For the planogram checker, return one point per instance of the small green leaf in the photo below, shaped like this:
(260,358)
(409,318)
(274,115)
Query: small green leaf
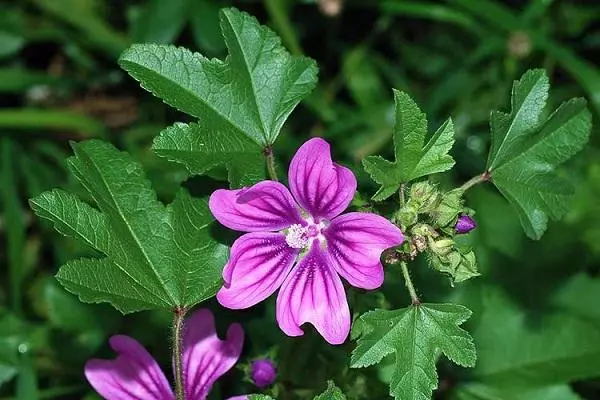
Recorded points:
(331,393)
(526,150)
(414,158)
(156,256)
(199,150)
(252,92)
(415,334)
(260,397)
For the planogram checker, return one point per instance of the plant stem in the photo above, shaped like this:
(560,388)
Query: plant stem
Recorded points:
(178,317)
(271,163)
(409,284)
(278,13)
(401,194)
(486,176)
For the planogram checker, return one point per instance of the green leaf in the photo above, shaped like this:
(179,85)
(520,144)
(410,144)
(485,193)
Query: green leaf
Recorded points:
(526,150)
(331,393)
(479,391)
(260,397)
(251,93)
(577,294)
(200,150)
(161,21)
(415,334)
(549,349)
(156,256)
(205,26)
(414,158)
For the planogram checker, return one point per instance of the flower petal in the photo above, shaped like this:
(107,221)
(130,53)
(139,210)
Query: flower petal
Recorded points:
(355,242)
(205,356)
(314,293)
(259,264)
(266,206)
(133,375)
(320,186)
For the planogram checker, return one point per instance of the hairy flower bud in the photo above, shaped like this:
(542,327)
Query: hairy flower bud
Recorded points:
(424,195)
(263,372)
(441,247)
(407,216)
(465,224)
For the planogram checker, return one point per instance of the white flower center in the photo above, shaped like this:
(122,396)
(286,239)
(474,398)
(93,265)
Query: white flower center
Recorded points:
(298,236)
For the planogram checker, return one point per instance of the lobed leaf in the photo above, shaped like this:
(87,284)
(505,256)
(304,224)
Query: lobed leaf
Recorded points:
(414,158)
(331,393)
(200,150)
(244,99)
(155,256)
(526,151)
(415,334)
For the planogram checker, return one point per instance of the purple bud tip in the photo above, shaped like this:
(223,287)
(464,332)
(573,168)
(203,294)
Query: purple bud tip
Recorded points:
(263,373)
(465,224)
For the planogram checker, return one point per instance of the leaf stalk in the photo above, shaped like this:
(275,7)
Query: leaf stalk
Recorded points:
(271,163)
(486,176)
(409,284)
(178,320)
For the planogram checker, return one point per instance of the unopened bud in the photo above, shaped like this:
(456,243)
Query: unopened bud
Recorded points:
(407,216)
(263,372)
(465,224)
(441,247)
(424,195)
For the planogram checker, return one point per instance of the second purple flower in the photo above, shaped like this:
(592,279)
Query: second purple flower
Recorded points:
(300,243)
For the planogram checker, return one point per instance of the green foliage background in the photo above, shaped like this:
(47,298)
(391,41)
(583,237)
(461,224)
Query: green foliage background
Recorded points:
(535,317)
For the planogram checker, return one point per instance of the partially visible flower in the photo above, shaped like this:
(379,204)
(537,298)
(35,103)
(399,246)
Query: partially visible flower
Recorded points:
(301,243)
(135,375)
(263,372)
(465,224)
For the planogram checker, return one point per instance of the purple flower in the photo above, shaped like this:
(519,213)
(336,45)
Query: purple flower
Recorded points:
(298,242)
(135,375)
(263,372)
(465,224)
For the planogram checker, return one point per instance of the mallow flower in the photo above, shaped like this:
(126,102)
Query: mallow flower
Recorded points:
(299,243)
(135,375)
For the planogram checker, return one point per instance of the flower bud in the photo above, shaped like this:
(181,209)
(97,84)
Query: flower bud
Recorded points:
(465,224)
(424,195)
(263,372)
(441,247)
(407,216)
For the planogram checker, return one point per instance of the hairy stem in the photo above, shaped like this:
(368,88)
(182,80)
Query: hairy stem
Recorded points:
(271,163)
(178,317)
(401,194)
(486,176)
(409,284)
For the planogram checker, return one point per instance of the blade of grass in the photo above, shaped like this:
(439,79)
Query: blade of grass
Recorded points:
(23,118)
